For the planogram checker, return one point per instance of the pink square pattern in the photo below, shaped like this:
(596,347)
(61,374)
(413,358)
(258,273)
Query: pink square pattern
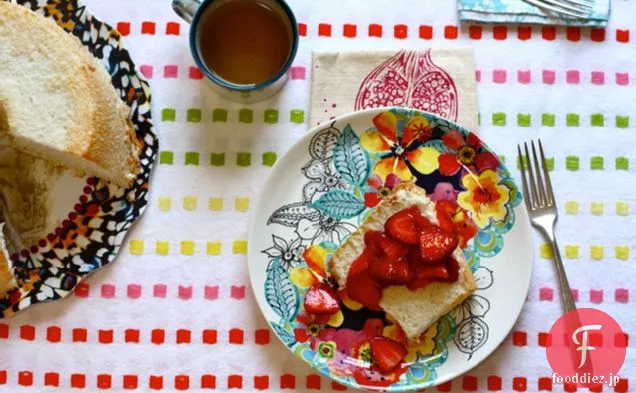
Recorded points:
(211,292)
(598,77)
(524,76)
(572,77)
(108,291)
(159,290)
(133,291)
(499,76)
(548,77)
(185,293)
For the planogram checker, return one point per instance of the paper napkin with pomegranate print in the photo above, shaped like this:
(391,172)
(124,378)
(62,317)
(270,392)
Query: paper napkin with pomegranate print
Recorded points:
(440,81)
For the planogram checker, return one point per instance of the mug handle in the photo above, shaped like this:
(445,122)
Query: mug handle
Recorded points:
(186,8)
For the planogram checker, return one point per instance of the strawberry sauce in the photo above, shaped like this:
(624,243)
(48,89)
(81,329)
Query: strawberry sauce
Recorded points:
(410,251)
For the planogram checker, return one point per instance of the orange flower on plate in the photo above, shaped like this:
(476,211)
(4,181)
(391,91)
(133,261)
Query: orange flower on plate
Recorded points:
(398,149)
(484,197)
(425,346)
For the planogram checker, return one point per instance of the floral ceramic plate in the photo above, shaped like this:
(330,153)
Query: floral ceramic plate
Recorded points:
(325,186)
(87,218)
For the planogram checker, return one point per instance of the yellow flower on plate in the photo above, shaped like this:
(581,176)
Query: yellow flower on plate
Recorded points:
(484,197)
(398,150)
(305,277)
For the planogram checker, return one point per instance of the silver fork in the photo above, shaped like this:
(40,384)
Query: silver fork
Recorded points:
(575,8)
(542,211)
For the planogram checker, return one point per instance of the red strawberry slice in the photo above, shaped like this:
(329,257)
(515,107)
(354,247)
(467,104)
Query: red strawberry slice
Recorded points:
(425,275)
(452,267)
(422,221)
(372,237)
(361,264)
(436,244)
(364,290)
(387,354)
(372,242)
(388,271)
(445,210)
(392,248)
(373,327)
(402,226)
(321,299)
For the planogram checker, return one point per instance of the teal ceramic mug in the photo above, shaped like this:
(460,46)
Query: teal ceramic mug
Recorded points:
(197,12)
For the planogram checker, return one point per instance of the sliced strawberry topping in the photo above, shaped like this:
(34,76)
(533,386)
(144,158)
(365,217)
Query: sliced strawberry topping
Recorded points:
(425,275)
(321,299)
(364,290)
(436,244)
(392,248)
(452,267)
(372,237)
(389,271)
(444,211)
(387,353)
(372,241)
(361,264)
(452,218)
(373,327)
(422,221)
(402,226)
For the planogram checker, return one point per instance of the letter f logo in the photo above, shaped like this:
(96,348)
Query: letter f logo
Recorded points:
(583,344)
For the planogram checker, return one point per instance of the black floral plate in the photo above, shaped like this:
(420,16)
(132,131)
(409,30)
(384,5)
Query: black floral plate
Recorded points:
(91,232)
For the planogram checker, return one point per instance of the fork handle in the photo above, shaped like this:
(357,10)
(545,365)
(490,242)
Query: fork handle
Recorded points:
(566,293)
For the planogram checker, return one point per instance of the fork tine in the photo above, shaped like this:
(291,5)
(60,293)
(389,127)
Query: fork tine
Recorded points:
(548,183)
(546,6)
(566,6)
(524,183)
(583,3)
(533,185)
(537,168)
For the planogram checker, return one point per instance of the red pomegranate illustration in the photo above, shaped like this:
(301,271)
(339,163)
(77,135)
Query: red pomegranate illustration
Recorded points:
(409,79)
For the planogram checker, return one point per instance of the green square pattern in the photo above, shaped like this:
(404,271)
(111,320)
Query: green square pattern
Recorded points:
(297,116)
(572,163)
(622,121)
(192,158)
(269,158)
(168,114)
(246,116)
(244,159)
(217,159)
(166,157)
(524,119)
(502,159)
(622,163)
(525,162)
(549,162)
(572,120)
(271,116)
(548,120)
(193,115)
(596,163)
(597,120)
(219,115)
(499,119)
